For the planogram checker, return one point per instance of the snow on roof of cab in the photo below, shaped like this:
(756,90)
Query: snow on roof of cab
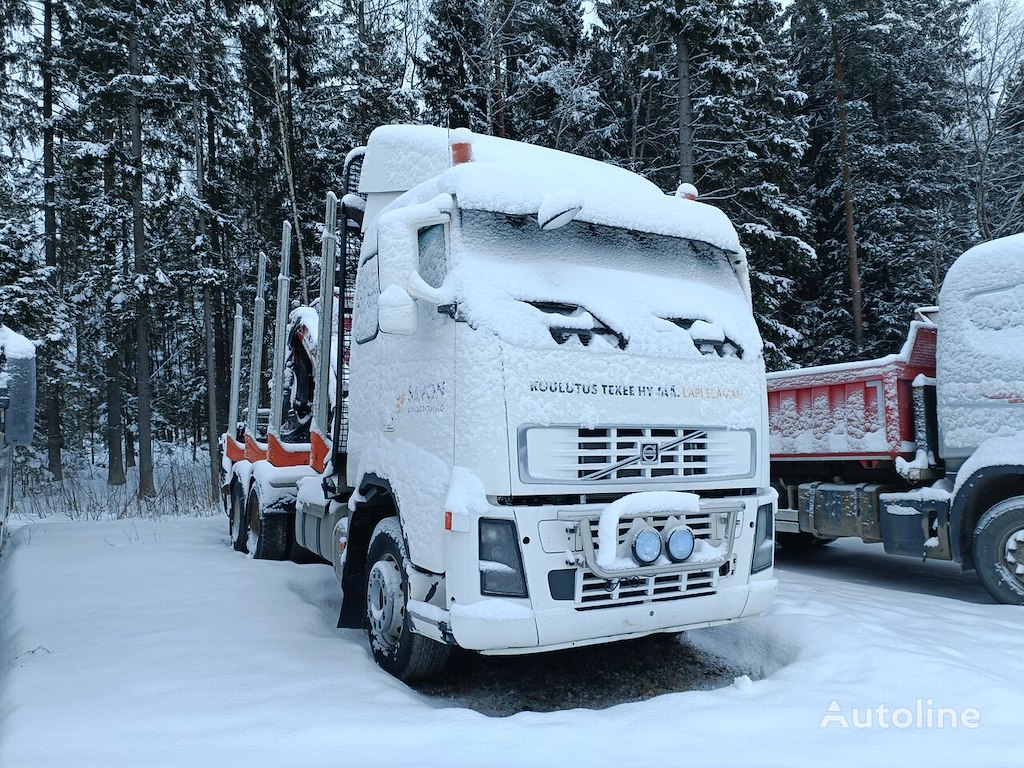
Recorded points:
(512,177)
(994,264)
(15,345)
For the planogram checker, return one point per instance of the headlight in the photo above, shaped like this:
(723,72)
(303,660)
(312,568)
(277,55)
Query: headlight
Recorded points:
(680,544)
(764,543)
(501,565)
(647,546)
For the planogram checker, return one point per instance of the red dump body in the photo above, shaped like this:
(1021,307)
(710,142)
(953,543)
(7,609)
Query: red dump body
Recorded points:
(860,411)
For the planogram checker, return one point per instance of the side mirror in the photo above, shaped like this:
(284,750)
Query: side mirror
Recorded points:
(18,383)
(396,312)
(420,289)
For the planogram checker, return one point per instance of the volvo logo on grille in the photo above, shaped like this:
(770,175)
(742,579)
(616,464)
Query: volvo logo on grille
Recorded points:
(649,453)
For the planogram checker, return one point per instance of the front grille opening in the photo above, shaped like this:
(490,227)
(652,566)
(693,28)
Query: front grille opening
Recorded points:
(680,453)
(595,593)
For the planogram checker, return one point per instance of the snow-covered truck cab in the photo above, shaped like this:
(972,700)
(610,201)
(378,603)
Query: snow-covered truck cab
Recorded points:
(980,411)
(558,427)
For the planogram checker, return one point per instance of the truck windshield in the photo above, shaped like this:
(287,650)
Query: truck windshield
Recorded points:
(601,288)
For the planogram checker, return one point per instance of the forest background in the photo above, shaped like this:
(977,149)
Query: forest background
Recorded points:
(150,150)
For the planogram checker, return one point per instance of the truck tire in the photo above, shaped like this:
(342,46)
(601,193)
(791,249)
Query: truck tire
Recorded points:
(238,529)
(267,535)
(998,549)
(395,647)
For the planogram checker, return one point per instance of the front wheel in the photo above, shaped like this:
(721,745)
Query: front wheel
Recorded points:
(395,647)
(998,549)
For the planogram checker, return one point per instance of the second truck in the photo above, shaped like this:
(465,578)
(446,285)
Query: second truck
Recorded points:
(922,450)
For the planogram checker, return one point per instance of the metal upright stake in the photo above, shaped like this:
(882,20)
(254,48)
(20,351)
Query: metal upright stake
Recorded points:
(329,249)
(256,362)
(236,373)
(281,330)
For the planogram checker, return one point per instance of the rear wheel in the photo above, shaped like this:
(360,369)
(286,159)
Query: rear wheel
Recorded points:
(395,647)
(267,536)
(998,550)
(238,524)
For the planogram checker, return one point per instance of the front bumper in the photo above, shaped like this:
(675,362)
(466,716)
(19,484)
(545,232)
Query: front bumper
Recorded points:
(569,604)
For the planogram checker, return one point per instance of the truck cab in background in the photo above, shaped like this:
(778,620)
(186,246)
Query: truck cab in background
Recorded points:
(17,411)
(923,450)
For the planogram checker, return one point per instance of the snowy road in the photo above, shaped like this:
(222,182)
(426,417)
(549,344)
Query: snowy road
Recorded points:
(151,643)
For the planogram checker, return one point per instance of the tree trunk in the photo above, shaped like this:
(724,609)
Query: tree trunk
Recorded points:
(286,150)
(142,370)
(211,383)
(851,236)
(216,249)
(115,429)
(685,112)
(115,457)
(53,431)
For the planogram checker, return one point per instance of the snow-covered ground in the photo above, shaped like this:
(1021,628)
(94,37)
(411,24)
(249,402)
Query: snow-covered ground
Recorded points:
(149,642)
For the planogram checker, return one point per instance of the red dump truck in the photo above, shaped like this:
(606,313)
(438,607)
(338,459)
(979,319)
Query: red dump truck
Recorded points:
(922,450)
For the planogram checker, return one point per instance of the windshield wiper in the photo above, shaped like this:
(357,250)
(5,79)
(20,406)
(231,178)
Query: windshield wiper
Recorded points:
(708,338)
(581,323)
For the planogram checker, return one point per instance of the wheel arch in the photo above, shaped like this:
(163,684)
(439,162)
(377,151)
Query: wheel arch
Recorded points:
(376,501)
(975,496)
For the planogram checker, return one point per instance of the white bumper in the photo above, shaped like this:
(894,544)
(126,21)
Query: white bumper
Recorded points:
(598,609)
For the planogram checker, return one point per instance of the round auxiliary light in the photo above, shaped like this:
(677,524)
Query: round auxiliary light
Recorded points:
(647,546)
(680,544)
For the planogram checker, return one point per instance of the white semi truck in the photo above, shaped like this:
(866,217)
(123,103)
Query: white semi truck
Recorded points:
(922,450)
(17,411)
(551,425)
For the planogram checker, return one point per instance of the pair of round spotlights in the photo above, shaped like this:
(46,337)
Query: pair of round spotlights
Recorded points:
(678,544)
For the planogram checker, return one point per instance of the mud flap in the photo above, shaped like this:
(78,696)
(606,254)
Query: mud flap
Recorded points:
(351,616)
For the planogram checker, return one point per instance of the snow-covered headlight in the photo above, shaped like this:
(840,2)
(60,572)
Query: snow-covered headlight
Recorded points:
(764,543)
(680,544)
(647,546)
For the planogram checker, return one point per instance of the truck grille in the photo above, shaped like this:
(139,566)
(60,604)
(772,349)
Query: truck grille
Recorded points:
(593,591)
(646,454)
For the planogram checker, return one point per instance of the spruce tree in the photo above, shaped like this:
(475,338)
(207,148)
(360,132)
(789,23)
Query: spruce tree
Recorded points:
(882,99)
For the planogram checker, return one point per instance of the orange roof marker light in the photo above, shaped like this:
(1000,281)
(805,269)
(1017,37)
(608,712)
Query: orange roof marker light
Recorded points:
(687,192)
(461,142)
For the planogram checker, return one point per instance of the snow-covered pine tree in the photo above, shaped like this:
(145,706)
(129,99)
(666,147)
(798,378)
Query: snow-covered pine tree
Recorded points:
(555,100)
(882,102)
(29,77)
(457,68)
(748,140)
(634,60)
(992,84)
(29,303)
(1006,198)
(727,119)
